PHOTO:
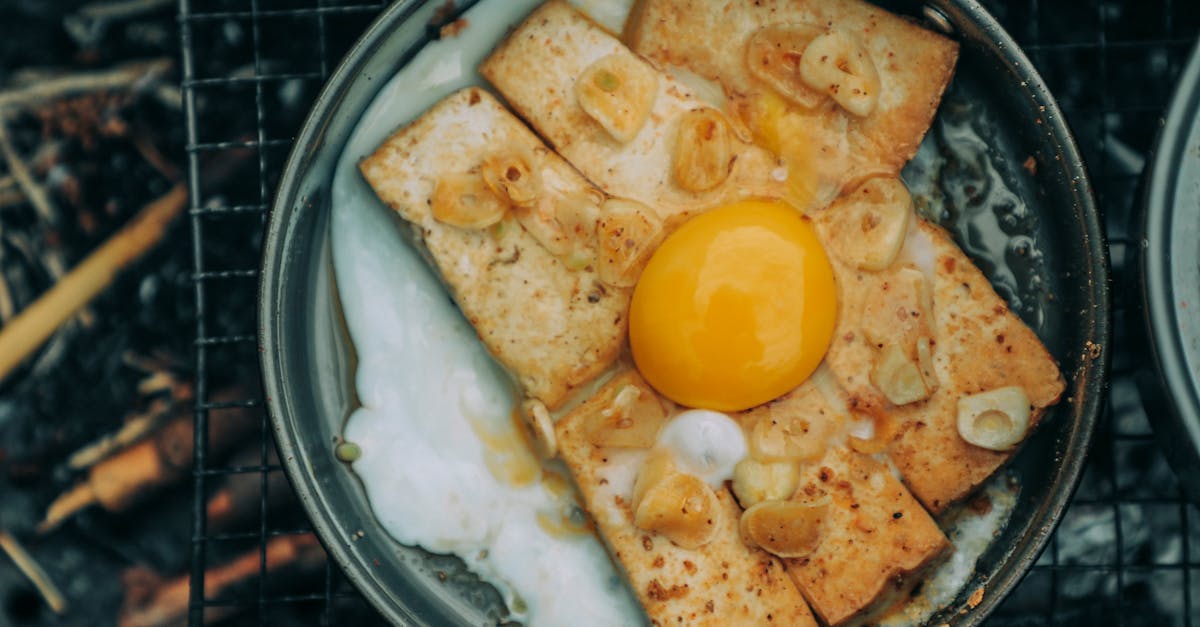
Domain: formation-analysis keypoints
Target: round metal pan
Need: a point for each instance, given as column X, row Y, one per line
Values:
column 307, row 361
column 1169, row 267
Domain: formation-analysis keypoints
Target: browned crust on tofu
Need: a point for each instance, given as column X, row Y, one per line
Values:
column 721, row 583
column 982, row 345
column 978, row 345
column 551, row 327
column 535, row 70
column 709, row 37
column 876, row 539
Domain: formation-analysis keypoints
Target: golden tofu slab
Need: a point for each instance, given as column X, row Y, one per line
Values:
column 723, row 582
column 754, row 50
column 876, row 539
column 977, row 344
column 552, row 327
column 981, row 345
column 555, row 71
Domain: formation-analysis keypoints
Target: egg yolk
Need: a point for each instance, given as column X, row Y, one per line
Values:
column 736, row 308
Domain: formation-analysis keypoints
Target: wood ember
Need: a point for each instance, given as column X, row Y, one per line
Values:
column 240, row 497
column 137, row 472
column 33, row 571
column 151, row 601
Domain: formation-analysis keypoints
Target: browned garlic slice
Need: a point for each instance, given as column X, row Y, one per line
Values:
column 835, row 64
column 869, row 230
column 789, row 438
column 632, row 420
column 755, row 481
column 542, row 427
column 925, row 363
column 513, row 174
column 702, row 150
column 783, row 528
column 679, row 506
column 773, row 56
column 898, row 377
column 618, row 92
column 563, row 220
column 578, row 213
column 628, row 234
column 997, row 419
column 466, row 201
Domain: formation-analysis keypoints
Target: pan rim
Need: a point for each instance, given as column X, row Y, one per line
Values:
column 1173, row 392
column 1092, row 375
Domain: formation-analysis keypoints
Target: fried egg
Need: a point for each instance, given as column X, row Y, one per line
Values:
column 443, row 463
column 736, row 308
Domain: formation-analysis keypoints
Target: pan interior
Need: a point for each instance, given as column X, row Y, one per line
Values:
column 988, row 170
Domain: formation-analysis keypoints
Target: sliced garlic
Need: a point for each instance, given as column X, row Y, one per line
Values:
column 789, row 438
column 513, row 174
column 658, row 467
column 997, row 419
column 755, row 481
column 925, row 364
column 627, row 236
column 773, row 56
column 632, row 419
column 703, row 151
column 618, row 92
column 578, row 213
column 465, row 200
column 783, row 528
column 835, row 64
column 898, row 378
column 679, row 506
column 868, row 230
column 542, row 427
column 541, row 221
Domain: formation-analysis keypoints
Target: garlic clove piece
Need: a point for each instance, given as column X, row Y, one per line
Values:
column 773, row 56
column 925, row 364
column 868, row 230
column 627, row 234
column 776, row 438
column 632, row 420
column 784, row 528
column 465, row 201
column 513, row 174
column 541, row 426
column 898, row 377
column 835, row 64
column 996, row 420
column 703, row 151
column 755, row 481
column 618, row 91
column 678, row 506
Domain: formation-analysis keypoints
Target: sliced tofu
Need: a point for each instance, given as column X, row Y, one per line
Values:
column 723, row 582
column 718, row 40
column 876, row 539
column 549, row 71
column 552, row 327
column 977, row 344
column 981, row 345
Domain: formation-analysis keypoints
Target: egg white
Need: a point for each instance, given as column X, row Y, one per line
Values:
column 431, row 394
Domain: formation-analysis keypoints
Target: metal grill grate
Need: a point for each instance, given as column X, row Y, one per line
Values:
column 1128, row 548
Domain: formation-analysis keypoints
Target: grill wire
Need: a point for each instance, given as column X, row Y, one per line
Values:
column 1127, row 550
